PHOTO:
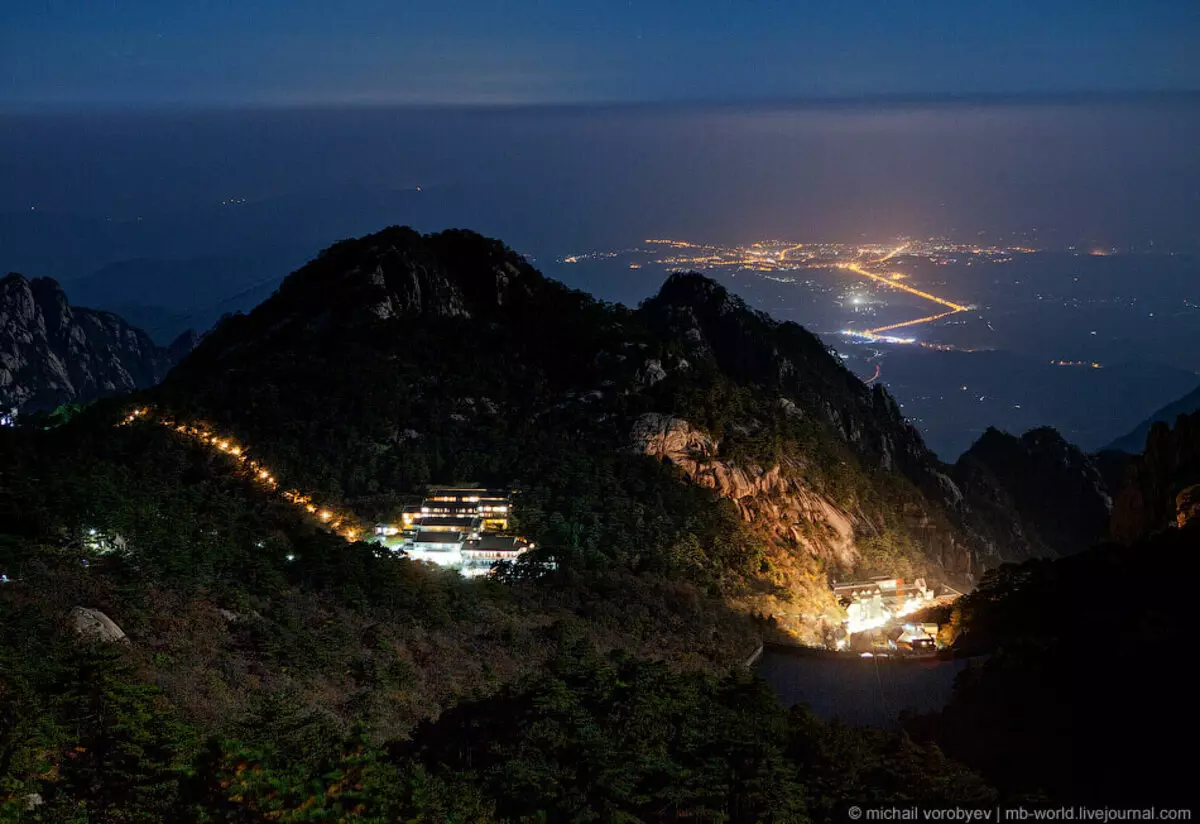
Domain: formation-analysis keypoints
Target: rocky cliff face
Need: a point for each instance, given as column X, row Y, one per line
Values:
column 53, row 353
column 773, row 497
column 397, row 273
column 1187, row 506
column 1159, row 488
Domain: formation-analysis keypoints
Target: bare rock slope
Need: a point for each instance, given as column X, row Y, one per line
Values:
column 53, row 353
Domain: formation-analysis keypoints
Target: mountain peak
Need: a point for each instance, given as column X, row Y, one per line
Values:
column 398, row 271
column 695, row 289
column 1055, row 489
column 53, row 353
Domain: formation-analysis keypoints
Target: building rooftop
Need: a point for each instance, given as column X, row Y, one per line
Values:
column 469, row 490
column 498, row 543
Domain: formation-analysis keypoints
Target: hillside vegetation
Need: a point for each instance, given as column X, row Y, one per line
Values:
column 693, row 474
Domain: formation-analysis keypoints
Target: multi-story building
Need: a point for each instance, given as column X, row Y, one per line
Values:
column 460, row 527
column 492, row 505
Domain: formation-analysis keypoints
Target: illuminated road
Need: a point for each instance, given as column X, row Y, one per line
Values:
column 857, row 269
column 914, row 322
column 893, row 253
column 892, row 282
column 344, row 524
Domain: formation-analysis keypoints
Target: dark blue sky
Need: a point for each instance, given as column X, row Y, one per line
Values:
column 66, row 53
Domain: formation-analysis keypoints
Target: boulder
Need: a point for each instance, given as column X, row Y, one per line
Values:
column 95, row 624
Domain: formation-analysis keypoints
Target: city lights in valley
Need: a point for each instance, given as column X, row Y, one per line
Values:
column 866, row 261
column 891, row 280
column 807, row 265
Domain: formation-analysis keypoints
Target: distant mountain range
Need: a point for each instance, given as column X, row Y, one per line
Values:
column 166, row 297
column 954, row 397
column 1135, row 441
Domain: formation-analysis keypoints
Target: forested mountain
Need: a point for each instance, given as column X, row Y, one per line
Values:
column 1082, row 692
column 1046, row 494
column 53, row 353
column 1161, row 488
column 399, row 360
column 176, row 643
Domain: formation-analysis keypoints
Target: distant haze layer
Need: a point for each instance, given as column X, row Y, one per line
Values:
column 83, row 191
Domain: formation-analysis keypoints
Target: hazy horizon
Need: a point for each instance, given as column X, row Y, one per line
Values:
column 1117, row 171
column 174, row 218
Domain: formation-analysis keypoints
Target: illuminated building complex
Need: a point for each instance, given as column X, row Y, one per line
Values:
column 490, row 505
column 461, row 528
column 873, row 603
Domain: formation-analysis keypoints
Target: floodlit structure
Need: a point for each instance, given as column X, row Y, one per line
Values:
column 443, row 548
column 491, row 505
column 873, row 603
column 469, row 525
column 480, row 556
column 464, row 528
column 920, row 637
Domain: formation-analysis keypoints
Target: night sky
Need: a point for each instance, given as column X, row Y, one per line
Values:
column 145, row 53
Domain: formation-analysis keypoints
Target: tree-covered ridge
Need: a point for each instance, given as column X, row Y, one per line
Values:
column 400, row 360
column 1057, row 493
column 275, row 672
column 1084, row 689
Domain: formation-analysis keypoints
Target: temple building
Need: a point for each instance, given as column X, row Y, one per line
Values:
column 492, row 505
column 463, row 528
